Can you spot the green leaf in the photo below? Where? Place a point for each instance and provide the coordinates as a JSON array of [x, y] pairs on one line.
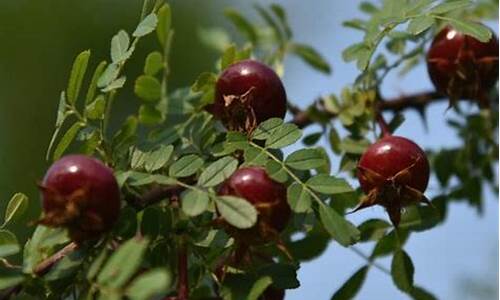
[[418, 293], [149, 115], [341, 230], [93, 82], [311, 57], [109, 75], [76, 76], [236, 211], [214, 37], [242, 24], [417, 6], [164, 23], [312, 138], [97, 263], [148, 88], [350, 145], [266, 128], [66, 140], [259, 287], [11, 278], [402, 271], [352, 286], [119, 47], [373, 229], [354, 52], [298, 198], [204, 81], [16, 207], [116, 272], [149, 284], [420, 218], [368, 8], [420, 24], [276, 171], [305, 159], [138, 159], [42, 244], [185, 166], [228, 57], [255, 157], [8, 243], [95, 110], [449, 6], [153, 64], [281, 14], [327, 184], [158, 158], [218, 171], [389, 243], [334, 139], [476, 30], [273, 25], [284, 275], [194, 202], [154, 221], [115, 84], [67, 267], [284, 135], [146, 26]]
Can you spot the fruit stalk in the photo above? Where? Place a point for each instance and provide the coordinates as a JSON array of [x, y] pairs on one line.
[[383, 125], [182, 267]]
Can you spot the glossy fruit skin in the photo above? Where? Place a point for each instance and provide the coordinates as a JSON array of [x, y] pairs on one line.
[[248, 93], [81, 193], [461, 66], [393, 173], [268, 197], [392, 154]]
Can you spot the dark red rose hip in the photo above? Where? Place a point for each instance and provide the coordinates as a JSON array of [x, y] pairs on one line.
[[461, 66], [248, 93], [267, 196], [81, 194], [394, 173]]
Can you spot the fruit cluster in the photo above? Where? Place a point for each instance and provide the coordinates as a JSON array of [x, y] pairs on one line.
[[81, 194]]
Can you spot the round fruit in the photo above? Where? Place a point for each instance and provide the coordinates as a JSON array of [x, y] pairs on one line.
[[267, 196], [461, 66], [393, 172], [81, 194], [248, 93]]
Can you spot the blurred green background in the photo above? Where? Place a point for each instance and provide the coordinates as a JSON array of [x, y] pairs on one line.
[[40, 39]]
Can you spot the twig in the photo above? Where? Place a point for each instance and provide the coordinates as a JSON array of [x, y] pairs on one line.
[[41, 269], [369, 260], [416, 101], [47, 264], [154, 195], [182, 267]]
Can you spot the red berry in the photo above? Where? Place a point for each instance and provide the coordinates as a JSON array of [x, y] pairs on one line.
[[267, 196], [393, 172], [248, 93], [461, 66], [81, 194]]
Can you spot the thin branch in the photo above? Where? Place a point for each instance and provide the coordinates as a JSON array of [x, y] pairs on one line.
[[416, 101], [154, 195], [47, 264], [370, 261]]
